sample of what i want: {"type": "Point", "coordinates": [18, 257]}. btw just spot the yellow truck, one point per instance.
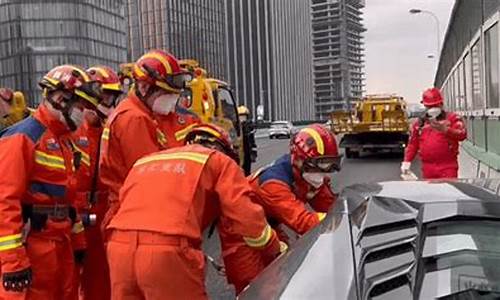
{"type": "Point", "coordinates": [376, 122]}
{"type": "Point", "coordinates": [209, 98]}
{"type": "Point", "coordinates": [212, 101]}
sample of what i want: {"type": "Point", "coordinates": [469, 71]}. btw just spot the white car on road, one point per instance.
{"type": "Point", "coordinates": [281, 129]}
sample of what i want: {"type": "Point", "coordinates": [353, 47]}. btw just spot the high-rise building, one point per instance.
{"type": "Point", "coordinates": [338, 54]}
{"type": "Point", "coordinates": [270, 57]}
{"type": "Point", "coordinates": [186, 28]}
{"type": "Point", "coordinates": [36, 36]}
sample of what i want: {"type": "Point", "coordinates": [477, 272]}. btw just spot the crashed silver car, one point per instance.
{"type": "Point", "coordinates": [396, 240]}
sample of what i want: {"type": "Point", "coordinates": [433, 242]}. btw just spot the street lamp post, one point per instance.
{"type": "Point", "coordinates": [415, 11]}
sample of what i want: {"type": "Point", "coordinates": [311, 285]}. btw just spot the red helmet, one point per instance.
{"type": "Point", "coordinates": [73, 81]}
{"type": "Point", "coordinates": [160, 68]}
{"type": "Point", "coordinates": [110, 88]}
{"type": "Point", "coordinates": [6, 94]}
{"type": "Point", "coordinates": [212, 135]}
{"type": "Point", "coordinates": [107, 77]}
{"type": "Point", "coordinates": [432, 97]}
{"type": "Point", "coordinates": [314, 149]}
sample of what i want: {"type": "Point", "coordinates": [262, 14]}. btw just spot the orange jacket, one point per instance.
{"type": "Point", "coordinates": [37, 163]}
{"type": "Point", "coordinates": [86, 139]}
{"type": "Point", "coordinates": [181, 191]}
{"type": "Point", "coordinates": [176, 126]}
{"type": "Point", "coordinates": [130, 133]}
{"type": "Point", "coordinates": [284, 199]}
{"type": "Point", "coordinates": [92, 196]}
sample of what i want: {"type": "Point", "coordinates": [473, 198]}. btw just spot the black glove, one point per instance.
{"type": "Point", "coordinates": [17, 281]}
{"type": "Point", "coordinates": [79, 256]}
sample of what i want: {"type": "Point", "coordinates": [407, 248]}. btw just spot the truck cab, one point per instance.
{"type": "Point", "coordinates": [212, 101]}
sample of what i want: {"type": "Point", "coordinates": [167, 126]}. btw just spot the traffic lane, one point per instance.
{"type": "Point", "coordinates": [268, 150]}
{"type": "Point", "coordinates": [370, 167]}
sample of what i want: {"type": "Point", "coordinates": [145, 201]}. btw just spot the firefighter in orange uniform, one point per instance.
{"type": "Point", "coordinates": [435, 137]}
{"type": "Point", "coordinates": [168, 199]}
{"type": "Point", "coordinates": [91, 200]}
{"type": "Point", "coordinates": [176, 125]}
{"type": "Point", "coordinates": [284, 188]}
{"type": "Point", "coordinates": [132, 131]}
{"type": "Point", "coordinates": [37, 218]}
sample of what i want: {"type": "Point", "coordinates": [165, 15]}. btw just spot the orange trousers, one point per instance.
{"type": "Point", "coordinates": [92, 279]}
{"type": "Point", "coordinates": [52, 263]}
{"type": "Point", "coordinates": [147, 265]}
{"type": "Point", "coordinates": [242, 266]}
{"type": "Point", "coordinates": [243, 263]}
{"type": "Point", "coordinates": [95, 273]}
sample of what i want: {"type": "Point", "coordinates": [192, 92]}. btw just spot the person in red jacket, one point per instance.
{"type": "Point", "coordinates": [93, 279]}
{"type": "Point", "coordinates": [132, 130]}
{"type": "Point", "coordinates": [435, 138]}
{"type": "Point", "coordinates": [37, 218]}
{"type": "Point", "coordinates": [284, 189]}
{"type": "Point", "coordinates": [168, 199]}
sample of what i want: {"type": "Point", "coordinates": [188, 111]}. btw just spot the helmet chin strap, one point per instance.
{"type": "Point", "coordinates": [65, 111]}
{"type": "Point", "coordinates": [72, 126]}
{"type": "Point", "coordinates": [148, 94]}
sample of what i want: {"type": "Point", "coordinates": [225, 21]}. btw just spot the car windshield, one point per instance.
{"type": "Point", "coordinates": [464, 252]}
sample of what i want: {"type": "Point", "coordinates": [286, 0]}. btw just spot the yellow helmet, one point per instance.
{"type": "Point", "coordinates": [17, 107]}
{"type": "Point", "coordinates": [243, 110]}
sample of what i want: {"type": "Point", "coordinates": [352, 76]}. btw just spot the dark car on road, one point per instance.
{"type": "Point", "coordinates": [396, 240]}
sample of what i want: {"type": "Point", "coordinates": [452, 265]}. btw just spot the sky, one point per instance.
{"type": "Point", "coordinates": [397, 44]}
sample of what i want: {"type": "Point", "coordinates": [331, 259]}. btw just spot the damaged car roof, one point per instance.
{"type": "Point", "coordinates": [395, 240]}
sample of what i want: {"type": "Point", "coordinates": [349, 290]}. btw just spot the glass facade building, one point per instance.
{"type": "Point", "coordinates": [186, 28]}
{"type": "Point", "coordinates": [36, 36]}
{"type": "Point", "coordinates": [270, 57]}
{"type": "Point", "coordinates": [338, 54]}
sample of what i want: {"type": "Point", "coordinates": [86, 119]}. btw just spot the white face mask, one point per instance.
{"type": "Point", "coordinates": [77, 116]}
{"type": "Point", "coordinates": [165, 104]}
{"type": "Point", "coordinates": [314, 179]}
{"type": "Point", "coordinates": [434, 112]}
